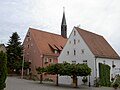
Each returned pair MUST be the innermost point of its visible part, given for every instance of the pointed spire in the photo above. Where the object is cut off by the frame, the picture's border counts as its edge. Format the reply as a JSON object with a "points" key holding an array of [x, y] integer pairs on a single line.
{"points": [[64, 25], [63, 19]]}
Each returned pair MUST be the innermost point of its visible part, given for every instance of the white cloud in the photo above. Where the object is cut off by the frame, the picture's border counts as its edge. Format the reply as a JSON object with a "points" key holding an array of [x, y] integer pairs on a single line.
{"points": [[99, 16]]}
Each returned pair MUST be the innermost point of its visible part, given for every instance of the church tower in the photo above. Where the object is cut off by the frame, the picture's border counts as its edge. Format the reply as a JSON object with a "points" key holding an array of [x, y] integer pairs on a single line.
{"points": [[64, 25]]}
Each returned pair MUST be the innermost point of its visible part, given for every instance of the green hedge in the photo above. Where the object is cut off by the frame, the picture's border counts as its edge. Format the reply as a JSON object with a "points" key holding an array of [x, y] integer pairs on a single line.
{"points": [[104, 74], [3, 70]]}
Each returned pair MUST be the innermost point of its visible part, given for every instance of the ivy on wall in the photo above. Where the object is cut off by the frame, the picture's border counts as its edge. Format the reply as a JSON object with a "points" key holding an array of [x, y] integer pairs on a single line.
{"points": [[104, 74]]}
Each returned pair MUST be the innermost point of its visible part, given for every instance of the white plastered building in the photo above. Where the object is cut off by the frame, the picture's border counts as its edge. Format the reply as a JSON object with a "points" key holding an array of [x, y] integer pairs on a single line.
{"points": [[87, 47]]}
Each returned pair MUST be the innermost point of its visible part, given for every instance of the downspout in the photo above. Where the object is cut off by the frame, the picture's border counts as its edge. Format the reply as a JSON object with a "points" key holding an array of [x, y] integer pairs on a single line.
{"points": [[96, 68]]}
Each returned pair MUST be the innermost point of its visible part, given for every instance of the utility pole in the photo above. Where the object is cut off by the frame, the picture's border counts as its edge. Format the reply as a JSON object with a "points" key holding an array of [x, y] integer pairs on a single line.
{"points": [[22, 67]]}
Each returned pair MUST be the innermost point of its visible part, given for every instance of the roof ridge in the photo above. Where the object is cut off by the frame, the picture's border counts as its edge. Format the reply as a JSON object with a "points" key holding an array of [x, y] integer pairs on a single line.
{"points": [[89, 31], [44, 31]]}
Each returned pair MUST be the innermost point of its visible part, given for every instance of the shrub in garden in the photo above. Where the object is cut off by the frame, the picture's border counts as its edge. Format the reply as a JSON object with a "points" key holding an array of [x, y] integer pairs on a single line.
{"points": [[85, 79], [3, 70]]}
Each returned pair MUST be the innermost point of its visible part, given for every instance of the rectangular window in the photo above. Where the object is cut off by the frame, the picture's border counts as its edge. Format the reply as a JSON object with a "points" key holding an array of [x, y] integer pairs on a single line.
{"points": [[64, 62], [67, 52], [69, 42], [28, 46], [74, 41], [74, 52], [74, 33], [112, 62], [85, 61], [31, 44], [51, 60], [73, 62], [46, 60], [28, 39], [82, 51]]}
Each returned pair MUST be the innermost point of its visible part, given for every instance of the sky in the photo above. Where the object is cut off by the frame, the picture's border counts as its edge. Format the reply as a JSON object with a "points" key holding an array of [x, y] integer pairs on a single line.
{"points": [[98, 16]]}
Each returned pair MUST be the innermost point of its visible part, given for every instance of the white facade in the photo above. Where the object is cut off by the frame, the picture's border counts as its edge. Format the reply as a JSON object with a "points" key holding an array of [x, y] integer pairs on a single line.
{"points": [[77, 51]]}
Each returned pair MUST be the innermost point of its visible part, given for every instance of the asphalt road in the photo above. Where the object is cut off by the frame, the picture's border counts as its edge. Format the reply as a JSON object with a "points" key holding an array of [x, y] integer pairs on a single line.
{"points": [[15, 83]]}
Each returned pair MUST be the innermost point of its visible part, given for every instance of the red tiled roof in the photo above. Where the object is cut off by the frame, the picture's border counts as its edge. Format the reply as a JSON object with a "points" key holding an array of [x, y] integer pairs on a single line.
{"points": [[97, 44], [45, 41]]}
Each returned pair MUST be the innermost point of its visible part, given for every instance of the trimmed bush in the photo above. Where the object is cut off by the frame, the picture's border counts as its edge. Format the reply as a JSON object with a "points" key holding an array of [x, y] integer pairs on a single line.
{"points": [[85, 80], [3, 70], [116, 82]]}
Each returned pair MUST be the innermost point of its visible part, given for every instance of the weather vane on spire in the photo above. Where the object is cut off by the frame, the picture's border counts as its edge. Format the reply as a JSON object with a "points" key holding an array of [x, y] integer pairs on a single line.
{"points": [[63, 9]]}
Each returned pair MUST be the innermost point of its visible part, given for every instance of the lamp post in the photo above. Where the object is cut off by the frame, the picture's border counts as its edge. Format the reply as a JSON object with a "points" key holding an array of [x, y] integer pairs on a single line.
{"points": [[41, 76], [89, 81], [42, 59], [22, 67]]}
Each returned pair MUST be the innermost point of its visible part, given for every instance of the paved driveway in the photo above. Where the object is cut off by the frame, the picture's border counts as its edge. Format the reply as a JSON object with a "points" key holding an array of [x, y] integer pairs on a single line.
{"points": [[15, 83]]}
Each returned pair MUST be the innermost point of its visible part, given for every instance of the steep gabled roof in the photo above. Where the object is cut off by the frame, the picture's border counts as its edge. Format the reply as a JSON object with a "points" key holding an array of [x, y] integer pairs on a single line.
{"points": [[46, 42], [2, 48], [97, 44], [1, 45]]}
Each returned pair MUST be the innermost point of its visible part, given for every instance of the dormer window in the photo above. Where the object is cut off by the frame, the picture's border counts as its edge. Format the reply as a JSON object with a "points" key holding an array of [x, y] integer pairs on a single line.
{"points": [[55, 51]]}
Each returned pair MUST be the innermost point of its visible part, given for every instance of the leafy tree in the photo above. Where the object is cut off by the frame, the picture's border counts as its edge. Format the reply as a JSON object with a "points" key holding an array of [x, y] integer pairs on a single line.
{"points": [[3, 70], [40, 70], [14, 52], [54, 69], [73, 70]]}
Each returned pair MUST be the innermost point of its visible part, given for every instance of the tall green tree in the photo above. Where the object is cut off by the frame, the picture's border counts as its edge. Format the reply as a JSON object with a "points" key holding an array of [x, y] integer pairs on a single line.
{"points": [[14, 52], [3, 69]]}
